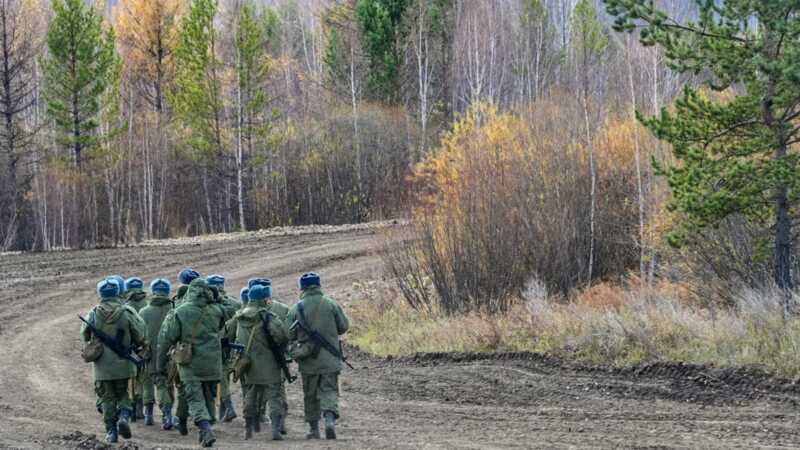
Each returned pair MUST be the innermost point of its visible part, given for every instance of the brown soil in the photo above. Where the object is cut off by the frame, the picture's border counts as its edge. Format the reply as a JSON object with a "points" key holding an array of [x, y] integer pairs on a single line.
{"points": [[430, 401]]}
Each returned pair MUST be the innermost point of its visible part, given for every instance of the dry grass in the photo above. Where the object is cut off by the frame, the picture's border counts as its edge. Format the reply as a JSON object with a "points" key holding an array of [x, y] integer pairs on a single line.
{"points": [[607, 325]]}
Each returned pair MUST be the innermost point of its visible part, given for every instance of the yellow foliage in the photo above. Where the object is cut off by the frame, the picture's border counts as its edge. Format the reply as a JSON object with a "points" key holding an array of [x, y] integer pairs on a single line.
{"points": [[147, 33]]}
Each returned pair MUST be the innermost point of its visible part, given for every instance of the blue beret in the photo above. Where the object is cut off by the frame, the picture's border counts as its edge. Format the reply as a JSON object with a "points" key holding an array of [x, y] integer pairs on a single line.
{"points": [[160, 285], [133, 283], [243, 294], [259, 281], [120, 283], [107, 288], [215, 280], [187, 275], [260, 292], [308, 280]]}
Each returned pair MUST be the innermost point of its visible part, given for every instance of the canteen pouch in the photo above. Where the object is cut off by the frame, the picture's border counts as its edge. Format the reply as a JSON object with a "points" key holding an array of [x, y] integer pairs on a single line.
{"points": [[92, 350]]}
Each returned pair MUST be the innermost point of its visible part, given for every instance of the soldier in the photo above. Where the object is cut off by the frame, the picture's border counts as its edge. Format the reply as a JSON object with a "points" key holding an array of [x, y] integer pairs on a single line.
{"points": [[154, 386], [262, 376], [193, 329], [111, 370], [186, 276], [280, 310], [136, 298], [319, 367], [226, 412], [134, 295]]}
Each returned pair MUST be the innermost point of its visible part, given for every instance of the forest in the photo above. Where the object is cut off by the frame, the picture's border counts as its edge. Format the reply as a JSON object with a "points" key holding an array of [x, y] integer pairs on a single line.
{"points": [[568, 142], [139, 119]]}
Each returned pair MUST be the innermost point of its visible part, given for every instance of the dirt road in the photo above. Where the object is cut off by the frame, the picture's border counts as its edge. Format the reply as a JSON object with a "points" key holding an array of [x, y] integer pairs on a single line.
{"points": [[435, 401]]}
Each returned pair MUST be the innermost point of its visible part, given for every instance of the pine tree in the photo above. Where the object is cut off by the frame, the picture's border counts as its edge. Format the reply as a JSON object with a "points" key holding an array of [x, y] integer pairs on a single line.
{"points": [[735, 156], [381, 26], [253, 33], [78, 69], [196, 96]]}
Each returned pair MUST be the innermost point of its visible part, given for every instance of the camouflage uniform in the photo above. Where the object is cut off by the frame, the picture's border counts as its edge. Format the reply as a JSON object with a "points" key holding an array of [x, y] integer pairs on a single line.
{"points": [[197, 323], [112, 372], [263, 377], [320, 372]]}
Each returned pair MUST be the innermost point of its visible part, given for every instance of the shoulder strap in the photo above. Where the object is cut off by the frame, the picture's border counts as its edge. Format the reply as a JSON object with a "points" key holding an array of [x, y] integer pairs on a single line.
{"points": [[301, 314], [196, 325], [253, 332]]}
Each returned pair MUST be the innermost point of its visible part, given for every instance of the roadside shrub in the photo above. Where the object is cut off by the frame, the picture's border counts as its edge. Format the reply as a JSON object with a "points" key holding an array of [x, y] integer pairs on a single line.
{"points": [[648, 325], [506, 196]]}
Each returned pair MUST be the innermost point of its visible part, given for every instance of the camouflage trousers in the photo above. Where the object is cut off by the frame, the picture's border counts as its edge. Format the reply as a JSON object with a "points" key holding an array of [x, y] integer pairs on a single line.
{"points": [[320, 394], [258, 396], [262, 408], [113, 398], [155, 388], [196, 399]]}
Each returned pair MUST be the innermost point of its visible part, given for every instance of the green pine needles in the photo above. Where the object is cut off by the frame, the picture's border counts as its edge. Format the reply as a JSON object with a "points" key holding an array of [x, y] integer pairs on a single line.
{"points": [[735, 151], [79, 68]]}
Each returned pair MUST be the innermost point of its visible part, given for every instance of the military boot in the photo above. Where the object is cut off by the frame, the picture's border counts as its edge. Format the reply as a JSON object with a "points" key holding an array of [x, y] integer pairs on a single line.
{"points": [[183, 425], [276, 428], [249, 424], [167, 421], [330, 425], [122, 424], [111, 432], [148, 414], [207, 437], [313, 430], [230, 413]]}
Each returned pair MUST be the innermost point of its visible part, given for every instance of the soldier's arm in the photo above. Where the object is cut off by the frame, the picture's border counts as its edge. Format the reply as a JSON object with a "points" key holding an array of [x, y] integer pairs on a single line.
{"points": [[138, 328], [229, 331], [167, 337], [342, 322]]}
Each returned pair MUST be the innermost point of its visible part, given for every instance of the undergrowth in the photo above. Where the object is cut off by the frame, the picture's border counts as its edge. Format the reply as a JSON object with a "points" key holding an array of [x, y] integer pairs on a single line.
{"points": [[606, 325]]}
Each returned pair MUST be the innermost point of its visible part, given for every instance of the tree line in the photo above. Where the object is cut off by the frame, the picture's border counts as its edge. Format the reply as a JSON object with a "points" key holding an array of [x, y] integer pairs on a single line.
{"points": [[140, 119]]}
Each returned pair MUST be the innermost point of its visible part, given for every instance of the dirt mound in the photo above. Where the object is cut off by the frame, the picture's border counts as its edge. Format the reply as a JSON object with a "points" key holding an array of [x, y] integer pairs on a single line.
{"points": [[687, 382], [78, 440]]}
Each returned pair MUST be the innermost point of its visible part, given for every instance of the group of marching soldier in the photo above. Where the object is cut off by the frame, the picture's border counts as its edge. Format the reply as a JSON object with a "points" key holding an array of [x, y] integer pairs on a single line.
{"points": [[184, 350]]}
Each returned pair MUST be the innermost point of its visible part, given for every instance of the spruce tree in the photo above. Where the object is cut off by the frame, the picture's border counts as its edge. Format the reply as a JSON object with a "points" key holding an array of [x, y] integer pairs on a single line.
{"points": [[735, 156]]}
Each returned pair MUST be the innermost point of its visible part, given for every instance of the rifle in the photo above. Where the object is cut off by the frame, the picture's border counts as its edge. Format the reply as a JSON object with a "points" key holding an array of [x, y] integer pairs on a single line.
{"points": [[313, 334], [115, 344], [277, 351], [232, 345]]}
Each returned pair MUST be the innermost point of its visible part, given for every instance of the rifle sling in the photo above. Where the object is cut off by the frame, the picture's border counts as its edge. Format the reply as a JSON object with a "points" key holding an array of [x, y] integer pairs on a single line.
{"points": [[313, 334]]}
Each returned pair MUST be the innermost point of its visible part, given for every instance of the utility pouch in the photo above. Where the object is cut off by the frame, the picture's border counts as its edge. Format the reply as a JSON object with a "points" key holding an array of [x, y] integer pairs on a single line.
{"points": [[242, 361], [302, 350], [182, 354], [92, 350]]}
